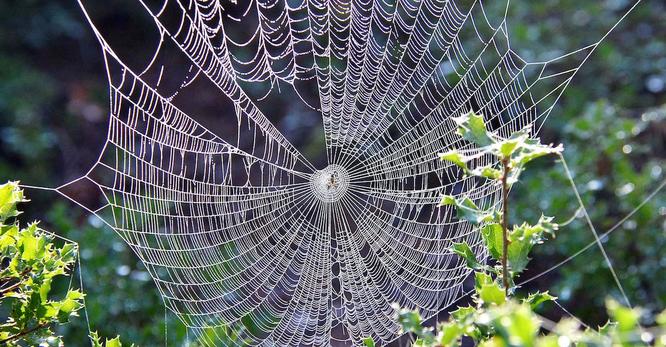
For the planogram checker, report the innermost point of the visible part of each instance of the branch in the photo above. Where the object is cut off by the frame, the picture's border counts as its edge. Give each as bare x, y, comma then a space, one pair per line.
23, 333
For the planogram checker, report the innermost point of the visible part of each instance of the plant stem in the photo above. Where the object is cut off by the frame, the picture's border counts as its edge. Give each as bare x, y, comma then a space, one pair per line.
23, 333
505, 212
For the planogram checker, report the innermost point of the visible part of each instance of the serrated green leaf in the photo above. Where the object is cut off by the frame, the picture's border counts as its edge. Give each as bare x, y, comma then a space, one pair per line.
491, 294
487, 172
493, 239
95, 340
368, 342
69, 305
522, 240
466, 209
447, 200
454, 157
531, 150
29, 245
472, 128
536, 299
627, 319
464, 251
114, 342
487, 290
506, 148
44, 290
10, 195
462, 313
482, 278
449, 334
518, 325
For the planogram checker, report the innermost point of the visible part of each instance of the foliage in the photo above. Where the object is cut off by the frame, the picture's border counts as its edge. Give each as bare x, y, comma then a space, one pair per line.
118, 287
613, 127
51, 75
509, 247
513, 322
615, 161
497, 318
31, 263
96, 341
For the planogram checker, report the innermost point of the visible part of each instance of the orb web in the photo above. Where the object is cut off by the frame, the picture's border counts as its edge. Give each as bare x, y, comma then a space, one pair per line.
242, 235
330, 184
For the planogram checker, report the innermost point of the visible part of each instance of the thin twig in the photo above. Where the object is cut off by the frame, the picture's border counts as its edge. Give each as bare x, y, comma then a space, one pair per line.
23, 333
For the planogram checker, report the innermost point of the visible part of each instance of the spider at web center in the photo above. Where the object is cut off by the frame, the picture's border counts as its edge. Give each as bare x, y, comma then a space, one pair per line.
330, 184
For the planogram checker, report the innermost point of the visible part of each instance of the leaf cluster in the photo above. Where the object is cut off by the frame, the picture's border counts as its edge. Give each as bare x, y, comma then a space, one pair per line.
511, 155
31, 262
513, 152
496, 318
96, 341
504, 322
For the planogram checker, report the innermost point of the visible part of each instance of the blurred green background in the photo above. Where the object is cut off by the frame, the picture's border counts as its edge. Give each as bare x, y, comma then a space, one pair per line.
53, 106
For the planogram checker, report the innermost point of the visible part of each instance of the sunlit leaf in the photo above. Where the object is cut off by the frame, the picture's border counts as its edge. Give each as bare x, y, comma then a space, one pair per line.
472, 128
463, 250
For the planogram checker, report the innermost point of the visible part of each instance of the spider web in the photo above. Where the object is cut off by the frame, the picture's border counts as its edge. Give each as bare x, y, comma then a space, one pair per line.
245, 239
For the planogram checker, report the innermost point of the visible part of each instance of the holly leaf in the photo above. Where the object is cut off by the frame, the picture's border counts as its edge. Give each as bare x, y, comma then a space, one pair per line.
464, 251
506, 148
627, 319
472, 128
493, 238
523, 238
114, 342
455, 157
466, 209
531, 150
488, 291
536, 299
449, 334
487, 171
10, 195
68, 306
462, 314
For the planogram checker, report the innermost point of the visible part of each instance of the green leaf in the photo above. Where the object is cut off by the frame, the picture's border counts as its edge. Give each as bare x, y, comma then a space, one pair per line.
492, 294
488, 291
447, 200
482, 278
44, 290
114, 342
472, 128
548, 341
536, 299
487, 171
506, 148
493, 238
30, 245
95, 340
368, 342
531, 150
520, 327
463, 250
449, 334
454, 157
466, 209
72, 303
463, 313
522, 238
10, 195
410, 320
627, 319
